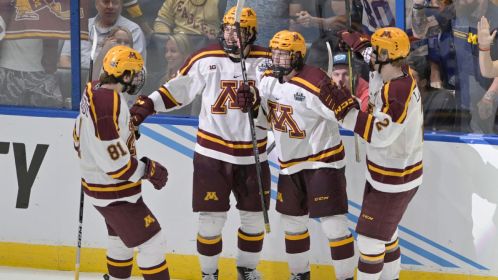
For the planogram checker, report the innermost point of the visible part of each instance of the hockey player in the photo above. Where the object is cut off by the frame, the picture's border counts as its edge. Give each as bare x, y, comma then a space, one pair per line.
394, 134
223, 159
112, 175
312, 182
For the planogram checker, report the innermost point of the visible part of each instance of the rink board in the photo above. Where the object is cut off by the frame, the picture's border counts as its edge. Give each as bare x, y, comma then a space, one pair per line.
449, 231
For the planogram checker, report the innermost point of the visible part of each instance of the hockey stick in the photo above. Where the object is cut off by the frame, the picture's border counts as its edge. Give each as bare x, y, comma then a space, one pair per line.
238, 12
351, 78
82, 195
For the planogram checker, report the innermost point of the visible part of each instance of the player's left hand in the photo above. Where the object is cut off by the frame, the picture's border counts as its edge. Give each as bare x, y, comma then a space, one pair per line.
248, 98
337, 98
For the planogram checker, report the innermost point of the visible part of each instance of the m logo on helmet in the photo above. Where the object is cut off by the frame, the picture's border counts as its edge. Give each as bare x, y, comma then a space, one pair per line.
296, 38
386, 34
132, 55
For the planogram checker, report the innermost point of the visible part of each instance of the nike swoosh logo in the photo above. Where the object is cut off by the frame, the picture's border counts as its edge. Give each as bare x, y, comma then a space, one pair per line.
236, 76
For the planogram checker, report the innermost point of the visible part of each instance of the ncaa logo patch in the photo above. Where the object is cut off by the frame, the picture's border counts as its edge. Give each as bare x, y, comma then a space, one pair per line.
299, 96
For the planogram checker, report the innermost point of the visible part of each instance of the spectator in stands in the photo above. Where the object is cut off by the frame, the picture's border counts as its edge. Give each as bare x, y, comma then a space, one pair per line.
27, 69
199, 17
471, 88
340, 75
489, 68
108, 16
273, 16
178, 48
118, 35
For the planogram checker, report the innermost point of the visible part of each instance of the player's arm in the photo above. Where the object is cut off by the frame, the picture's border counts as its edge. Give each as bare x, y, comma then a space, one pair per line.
379, 129
174, 94
165, 20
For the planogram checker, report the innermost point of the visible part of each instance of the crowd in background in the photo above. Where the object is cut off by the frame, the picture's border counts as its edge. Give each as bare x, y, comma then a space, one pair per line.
443, 33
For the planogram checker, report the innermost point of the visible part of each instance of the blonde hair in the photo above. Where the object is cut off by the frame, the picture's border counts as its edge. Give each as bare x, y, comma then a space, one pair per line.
115, 29
183, 43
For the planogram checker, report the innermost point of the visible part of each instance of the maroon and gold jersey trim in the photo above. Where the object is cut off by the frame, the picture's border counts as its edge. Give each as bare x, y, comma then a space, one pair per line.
120, 263
341, 242
396, 97
246, 237
105, 107
310, 78
333, 154
364, 125
155, 269
209, 241
111, 191
168, 99
298, 236
395, 176
125, 172
235, 148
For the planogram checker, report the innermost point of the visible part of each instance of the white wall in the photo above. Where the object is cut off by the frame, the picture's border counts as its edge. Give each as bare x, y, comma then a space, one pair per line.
450, 226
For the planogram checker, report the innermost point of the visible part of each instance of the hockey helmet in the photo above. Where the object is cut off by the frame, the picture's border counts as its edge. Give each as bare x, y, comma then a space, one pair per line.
122, 58
119, 60
292, 42
392, 40
288, 41
248, 18
248, 26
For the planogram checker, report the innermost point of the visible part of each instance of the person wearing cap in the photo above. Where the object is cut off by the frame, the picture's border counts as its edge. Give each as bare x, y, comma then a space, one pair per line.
340, 75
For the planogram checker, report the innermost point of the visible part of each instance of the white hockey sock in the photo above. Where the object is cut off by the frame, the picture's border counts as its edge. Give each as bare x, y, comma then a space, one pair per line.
248, 259
209, 264
344, 269
299, 263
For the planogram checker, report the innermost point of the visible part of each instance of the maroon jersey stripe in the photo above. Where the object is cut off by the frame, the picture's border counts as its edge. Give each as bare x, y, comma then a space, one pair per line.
329, 155
111, 191
395, 176
364, 125
235, 148
125, 172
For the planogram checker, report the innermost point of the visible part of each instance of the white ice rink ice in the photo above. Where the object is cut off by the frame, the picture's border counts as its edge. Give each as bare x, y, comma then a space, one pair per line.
12, 273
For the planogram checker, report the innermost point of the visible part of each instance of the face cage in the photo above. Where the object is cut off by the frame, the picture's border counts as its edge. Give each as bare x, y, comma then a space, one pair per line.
234, 48
136, 84
282, 69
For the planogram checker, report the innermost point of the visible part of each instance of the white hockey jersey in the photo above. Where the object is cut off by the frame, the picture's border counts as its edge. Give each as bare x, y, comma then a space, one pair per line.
224, 131
394, 132
105, 142
305, 130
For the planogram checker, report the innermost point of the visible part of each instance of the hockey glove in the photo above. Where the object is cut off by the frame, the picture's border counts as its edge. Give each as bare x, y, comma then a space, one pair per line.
155, 173
142, 108
248, 98
338, 99
355, 40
